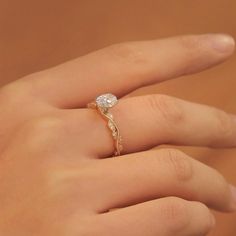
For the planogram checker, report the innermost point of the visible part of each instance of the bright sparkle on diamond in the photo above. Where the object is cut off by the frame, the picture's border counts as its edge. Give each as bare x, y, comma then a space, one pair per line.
106, 100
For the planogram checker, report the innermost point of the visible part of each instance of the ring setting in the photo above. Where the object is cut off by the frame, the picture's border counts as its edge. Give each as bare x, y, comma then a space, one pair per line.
103, 103
106, 101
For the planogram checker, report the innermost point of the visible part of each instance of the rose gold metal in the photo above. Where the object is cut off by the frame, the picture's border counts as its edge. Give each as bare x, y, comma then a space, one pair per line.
115, 132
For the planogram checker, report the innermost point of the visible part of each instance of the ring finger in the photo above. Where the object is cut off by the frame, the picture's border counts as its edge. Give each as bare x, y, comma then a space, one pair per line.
151, 120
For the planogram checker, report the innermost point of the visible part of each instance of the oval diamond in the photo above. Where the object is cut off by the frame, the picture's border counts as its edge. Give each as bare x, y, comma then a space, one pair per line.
107, 100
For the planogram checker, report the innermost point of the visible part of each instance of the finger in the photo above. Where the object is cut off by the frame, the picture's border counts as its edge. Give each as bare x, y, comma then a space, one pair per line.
124, 67
154, 174
151, 120
165, 217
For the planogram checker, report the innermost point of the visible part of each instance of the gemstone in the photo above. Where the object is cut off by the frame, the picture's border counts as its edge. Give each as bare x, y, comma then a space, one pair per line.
107, 100
110, 115
111, 126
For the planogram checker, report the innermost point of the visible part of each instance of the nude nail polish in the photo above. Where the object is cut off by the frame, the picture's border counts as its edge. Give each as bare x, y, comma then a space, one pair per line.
222, 43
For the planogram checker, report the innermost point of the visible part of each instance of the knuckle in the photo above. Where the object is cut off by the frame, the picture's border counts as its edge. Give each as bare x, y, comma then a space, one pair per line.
167, 108
202, 208
11, 93
221, 189
175, 211
79, 176
206, 219
224, 125
42, 124
127, 52
180, 163
18, 93
40, 133
191, 53
189, 43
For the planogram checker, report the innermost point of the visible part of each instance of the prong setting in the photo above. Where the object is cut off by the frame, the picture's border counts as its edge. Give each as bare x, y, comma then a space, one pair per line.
107, 100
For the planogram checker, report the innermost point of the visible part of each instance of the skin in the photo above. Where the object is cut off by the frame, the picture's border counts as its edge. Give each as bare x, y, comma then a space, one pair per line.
60, 181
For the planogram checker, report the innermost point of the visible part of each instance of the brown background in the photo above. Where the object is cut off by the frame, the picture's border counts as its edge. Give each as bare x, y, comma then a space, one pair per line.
39, 34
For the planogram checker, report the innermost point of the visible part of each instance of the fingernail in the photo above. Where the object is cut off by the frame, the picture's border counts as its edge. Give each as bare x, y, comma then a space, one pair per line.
221, 42
233, 192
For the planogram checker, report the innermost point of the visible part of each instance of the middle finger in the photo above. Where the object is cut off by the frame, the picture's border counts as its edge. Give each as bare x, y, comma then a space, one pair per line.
149, 175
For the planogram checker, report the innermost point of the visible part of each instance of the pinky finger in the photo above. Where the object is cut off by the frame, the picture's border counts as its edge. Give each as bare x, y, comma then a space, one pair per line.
165, 217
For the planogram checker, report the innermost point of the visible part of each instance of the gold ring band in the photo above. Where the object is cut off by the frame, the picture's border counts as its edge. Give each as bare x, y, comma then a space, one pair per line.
102, 104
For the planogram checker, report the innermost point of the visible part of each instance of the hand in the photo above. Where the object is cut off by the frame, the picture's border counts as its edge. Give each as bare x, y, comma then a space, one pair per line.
55, 178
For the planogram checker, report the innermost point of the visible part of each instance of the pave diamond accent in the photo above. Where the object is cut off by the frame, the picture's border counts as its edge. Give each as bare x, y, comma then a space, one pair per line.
107, 100
111, 126
113, 129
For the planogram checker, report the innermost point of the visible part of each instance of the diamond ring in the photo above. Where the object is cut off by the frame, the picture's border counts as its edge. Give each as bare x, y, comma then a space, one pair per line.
102, 104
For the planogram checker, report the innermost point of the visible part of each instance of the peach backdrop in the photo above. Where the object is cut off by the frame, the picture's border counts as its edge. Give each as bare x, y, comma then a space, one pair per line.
35, 35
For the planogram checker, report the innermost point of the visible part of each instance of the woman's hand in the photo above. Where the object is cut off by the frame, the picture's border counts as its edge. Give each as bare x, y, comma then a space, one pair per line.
54, 177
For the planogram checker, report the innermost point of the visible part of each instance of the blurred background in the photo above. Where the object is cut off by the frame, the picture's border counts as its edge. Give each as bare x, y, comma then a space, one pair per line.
35, 35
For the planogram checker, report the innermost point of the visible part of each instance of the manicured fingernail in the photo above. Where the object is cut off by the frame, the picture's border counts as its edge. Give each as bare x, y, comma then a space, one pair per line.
233, 192
221, 42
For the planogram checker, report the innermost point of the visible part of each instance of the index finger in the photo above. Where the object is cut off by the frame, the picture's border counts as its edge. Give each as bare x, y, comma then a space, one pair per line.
121, 68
